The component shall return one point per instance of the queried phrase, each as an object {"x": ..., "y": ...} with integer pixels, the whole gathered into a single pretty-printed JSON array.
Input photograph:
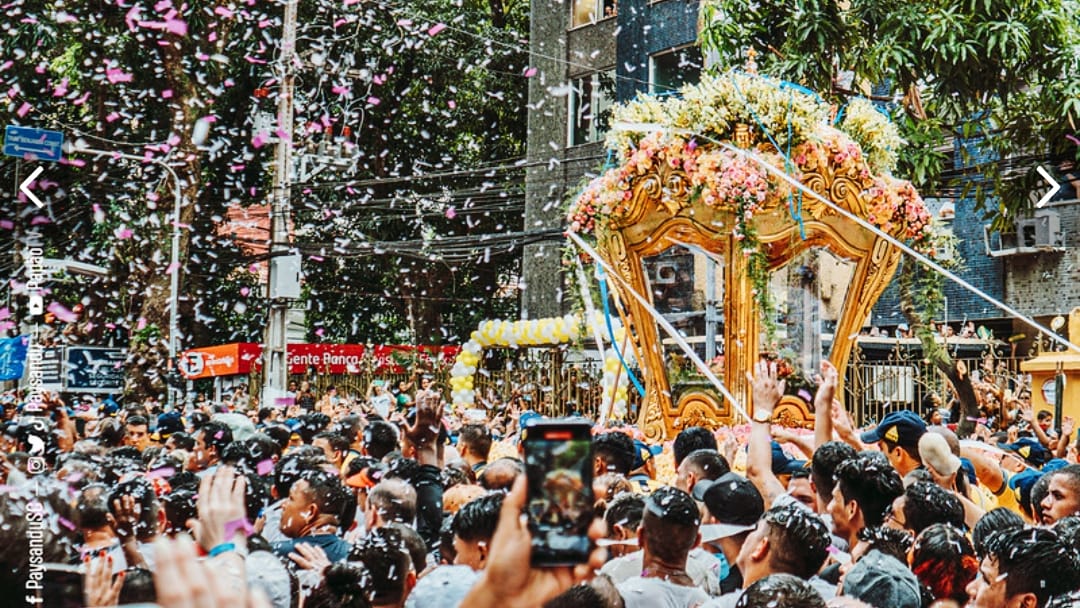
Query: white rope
[{"x": 591, "y": 321}]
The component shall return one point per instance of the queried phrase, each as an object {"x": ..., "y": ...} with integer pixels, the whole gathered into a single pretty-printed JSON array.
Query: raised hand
[
  {"x": 429, "y": 412},
  {"x": 767, "y": 387},
  {"x": 220, "y": 505},
  {"x": 310, "y": 557},
  {"x": 100, "y": 588},
  {"x": 830, "y": 378}
]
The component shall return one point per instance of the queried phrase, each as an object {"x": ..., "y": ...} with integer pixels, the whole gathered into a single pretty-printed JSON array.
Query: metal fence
[{"x": 558, "y": 381}]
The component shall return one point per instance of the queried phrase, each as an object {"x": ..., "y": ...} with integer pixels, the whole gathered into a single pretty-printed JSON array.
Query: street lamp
[{"x": 174, "y": 263}]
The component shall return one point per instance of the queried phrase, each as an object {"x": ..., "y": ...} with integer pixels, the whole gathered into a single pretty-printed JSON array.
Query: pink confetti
[
  {"x": 373, "y": 101},
  {"x": 224, "y": 12},
  {"x": 61, "y": 89},
  {"x": 81, "y": 100},
  {"x": 319, "y": 332},
  {"x": 23, "y": 110},
  {"x": 435, "y": 29},
  {"x": 130, "y": 18},
  {"x": 339, "y": 90},
  {"x": 244, "y": 291},
  {"x": 340, "y": 22},
  {"x": 258, "y": 141},
  {"x": 172, "y": 268},
  {"x": 141, "y": 324},
  {"x": 7, "y": 224},
  {"x": 113, "y": 116},
  {"x": 5, "y": 313},
  {"x": 166, "y": 94},
  {"x": 116, "y": 75},
  {"x": 39, "y": 220},
  {"x": 451, "y": 213},
  {"x": 163, "y": 472},
  {"x": 124, "y": 233},
  {"x": 452, "y": 104},
  {"x": 265, "y": 467},
  {"x": 62, "y": 312},
  {"x": 530, "y": 72}
]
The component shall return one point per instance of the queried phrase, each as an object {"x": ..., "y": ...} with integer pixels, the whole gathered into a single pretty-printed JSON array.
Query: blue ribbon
[{"x": 611, "y": 331}]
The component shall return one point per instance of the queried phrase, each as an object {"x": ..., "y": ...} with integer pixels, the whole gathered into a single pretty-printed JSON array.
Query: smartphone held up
[{"x": 558, "y": 465}]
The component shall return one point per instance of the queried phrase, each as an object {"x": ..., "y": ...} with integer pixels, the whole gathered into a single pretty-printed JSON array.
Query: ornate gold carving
[
  {"x": 660, "y": 212},
  {"x": 792, "y": 412}
]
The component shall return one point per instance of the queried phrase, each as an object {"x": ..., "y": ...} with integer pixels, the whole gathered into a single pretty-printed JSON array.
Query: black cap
[{"x": 733, "y": 501}]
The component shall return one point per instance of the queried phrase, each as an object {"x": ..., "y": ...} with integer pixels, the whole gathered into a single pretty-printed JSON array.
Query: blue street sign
[{"x": 33, "y": 144}]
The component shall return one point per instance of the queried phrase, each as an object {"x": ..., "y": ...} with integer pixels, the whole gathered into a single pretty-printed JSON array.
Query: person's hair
[
  {"x": 92, "y": 508},
  {"x": 616, "y": 450},
  {"x": 944, "y": 561},
  {"x": 393, "y": 500},
  {"x": 477, "y": 438},
  {"x": 799, "y": 540},
  {"x": 344, "y": 585},
  {"x": 138, "y": 587},
  {"x": 500, "y": 474},
  {"x": 216, "y": 435},
  {"x": 256, "y": 495},
  {"x": 1031, "y": 496},
  {"x": 446, "y": 540},
  {"x": 454, "y": 473},
  {"x": 358, "y": 464},
  {"x": 994, "y": 521},
  {"x": 582, "y": 595},
  {"x": 280, "y": 434},
  {"x": 871, "y": 484},
  {"x": 1037, "y": 561},
  {"x": 288, "y": 469},
  {"x": 264, "y": 413},
  {"x": 911, "y": 450},
  {"x": 312, "y": 424},
  {"x": 137, "y": 421},
  {"x": 477, "y": 519},
  {"x": 110, "y": 433},
  {"x": 926, "y": 503},
  {"x": 337, "y": 441},
  {"x": 827, "y": 457},
  {"x": 693, "y": 439},
  {"x": 415, "y": 545},
  {"x": 183, "y": 441},
  {"x": 146, "y": 504},
  {"x": 179, "y": 508},
  {"x": 1044, "y": 415},
  {"x": 380, "y": 438},
  {"x": 889, "y": 541},
  {"x": 384, "y": 554},
  {"x": 1068, "y": 529},
  {"x": 670, "y": 524},
  {"x": 625, "y": 510},
  {"x": 327, "y": 492},
  {"x": 260, "y": 447},
  {"x": 185, "y": 480},
  {"x": 711, "y": 464},
  {"x": 780, "y": 591},
  {"x": 405, "y": 469}
]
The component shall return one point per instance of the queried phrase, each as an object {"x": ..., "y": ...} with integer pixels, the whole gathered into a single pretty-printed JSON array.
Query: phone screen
[{"x": 558, "y": 464}]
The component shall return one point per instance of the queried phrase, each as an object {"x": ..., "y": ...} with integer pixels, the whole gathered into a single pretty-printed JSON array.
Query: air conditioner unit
[
  {"x": 1043, "y": 230},
  {"x": 891, "y": 383}
]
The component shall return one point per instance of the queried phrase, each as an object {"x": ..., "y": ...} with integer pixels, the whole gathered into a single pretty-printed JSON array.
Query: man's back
[{"x": 639, "y": 592}]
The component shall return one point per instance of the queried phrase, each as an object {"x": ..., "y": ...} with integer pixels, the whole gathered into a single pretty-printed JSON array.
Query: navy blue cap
[
  {"x": 903, "y": 427},
  {"x": 1029, "y": 449},
  {"x": 782, "y": 464},
  {"x": 642, "y": 454}
]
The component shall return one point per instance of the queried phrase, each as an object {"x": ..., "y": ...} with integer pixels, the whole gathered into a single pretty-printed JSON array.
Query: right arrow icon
[
  {"x": 25, "y": 187},
  {"x": 1054, "y": 187}
]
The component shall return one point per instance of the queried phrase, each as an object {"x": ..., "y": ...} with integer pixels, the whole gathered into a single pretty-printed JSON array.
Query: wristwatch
[{"x": 762, "y": 417}]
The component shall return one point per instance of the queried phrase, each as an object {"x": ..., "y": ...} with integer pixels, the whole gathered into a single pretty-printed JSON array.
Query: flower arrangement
[
  {"x": 534, "y": 332},
  {"x": 877, "y": 136}
]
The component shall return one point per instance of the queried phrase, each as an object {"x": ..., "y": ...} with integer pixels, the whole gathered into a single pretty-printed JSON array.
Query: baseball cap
[
  {"x": 733, "y": 501},
  {"x": 902, "y": 427},
  {"x": 881, "y": 580},
  {"x": 1029, "y": 449},
  {"x": 642, "y": 454},
  {"x": 782, "y": 464}
]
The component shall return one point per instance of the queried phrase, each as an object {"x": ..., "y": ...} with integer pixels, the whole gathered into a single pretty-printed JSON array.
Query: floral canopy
[{"x": 680, "y": 179}]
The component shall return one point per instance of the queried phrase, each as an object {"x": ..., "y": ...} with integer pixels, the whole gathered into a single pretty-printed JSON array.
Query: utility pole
[{"x": 281, "y": 284}]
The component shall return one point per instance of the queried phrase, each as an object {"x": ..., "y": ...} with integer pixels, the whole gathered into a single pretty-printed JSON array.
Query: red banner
[{"x": 244, "y": 357}]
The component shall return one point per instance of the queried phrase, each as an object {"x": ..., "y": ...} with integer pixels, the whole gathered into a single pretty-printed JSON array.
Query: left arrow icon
[{"x": 25, "y": 187}]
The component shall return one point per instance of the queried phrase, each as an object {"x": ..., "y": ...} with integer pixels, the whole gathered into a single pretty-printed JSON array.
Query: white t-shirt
[
  {"x": 702, "y": 567},
  {"x": 381, "y": 404},
  {"x": 638, "y": 592}
]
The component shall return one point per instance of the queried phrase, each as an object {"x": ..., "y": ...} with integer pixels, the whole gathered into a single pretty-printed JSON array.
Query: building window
[
  {"x": 670, "y": 70},
  {"x": 591, "y": 11},
  {"x": 590, "y": 107}
]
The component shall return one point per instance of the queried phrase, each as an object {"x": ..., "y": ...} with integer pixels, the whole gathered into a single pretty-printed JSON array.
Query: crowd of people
[{"x": 381, "y": 502}]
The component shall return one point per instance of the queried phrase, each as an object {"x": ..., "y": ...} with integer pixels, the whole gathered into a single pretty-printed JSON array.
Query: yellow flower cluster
[{"x": 536, "y": 332}]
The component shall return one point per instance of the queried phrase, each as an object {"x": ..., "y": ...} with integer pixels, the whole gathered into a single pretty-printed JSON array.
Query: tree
[{"x": 1005, "y": 71}]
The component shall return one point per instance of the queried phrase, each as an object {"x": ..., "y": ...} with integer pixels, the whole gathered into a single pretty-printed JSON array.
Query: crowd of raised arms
[{"x": 391, "y": 500}]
